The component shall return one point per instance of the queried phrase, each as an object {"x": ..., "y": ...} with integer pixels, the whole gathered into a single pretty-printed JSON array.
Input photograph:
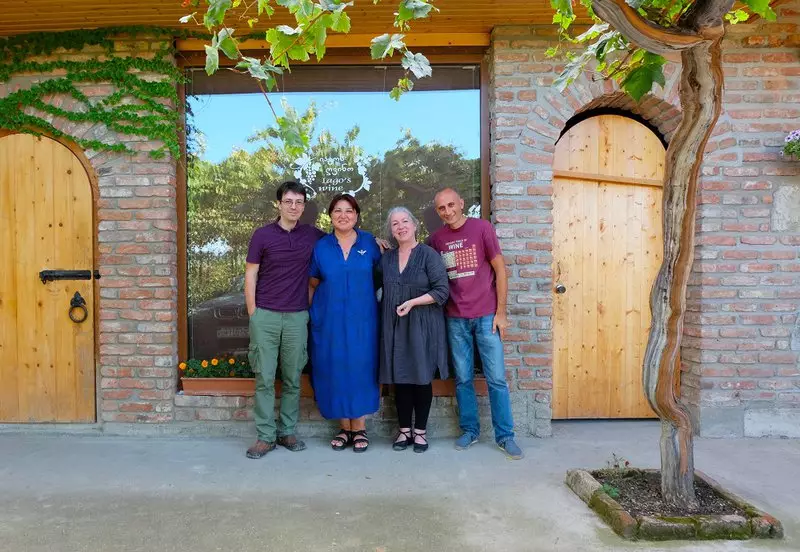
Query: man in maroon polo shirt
[{"x": 276, "y": 293}]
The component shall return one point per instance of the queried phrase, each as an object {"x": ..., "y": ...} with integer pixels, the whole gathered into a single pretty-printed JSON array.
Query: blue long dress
[{"x": 344, "y": 328}]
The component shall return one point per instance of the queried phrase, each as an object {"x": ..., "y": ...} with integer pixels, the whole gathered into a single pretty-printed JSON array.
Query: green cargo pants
[{"x": 273, "y": 334}]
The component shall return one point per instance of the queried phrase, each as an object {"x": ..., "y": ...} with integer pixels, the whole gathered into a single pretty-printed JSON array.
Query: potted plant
[
  {"x": 217, "y": 377},
  {"x": 791, "y": 148}
]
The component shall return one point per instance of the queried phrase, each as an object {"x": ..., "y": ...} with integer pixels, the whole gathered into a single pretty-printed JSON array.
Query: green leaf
[
  {"x": 594, "y": 31},
  {"x": 212, "y": 60},
  {"x": 340, "y": 22},
  {"x": 302, "y": 8},
  {"x": 404, "y": 85},
  {"x": 264, "y": 7},
  {"x": 287, "y": 30},
  {"x": 564, "y": 9},
  {"x": 215, "y": 14},
  {"x": 259, "y": 71},
  {"x": 227, "y": 44},
  {"x": 385, "y": 45},
  {"x": 413, "y": 9},
  {"x": 417, "y": 64},
  {"x": 639, "y": 81},
  {"x": 762, "y": 8},
  {"x": 320, "y": 35},
  {"x": 334, "y": 5}
]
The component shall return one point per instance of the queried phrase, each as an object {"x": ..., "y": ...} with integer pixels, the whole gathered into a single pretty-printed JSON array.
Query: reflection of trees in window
[{"x": 227, "y": 201}]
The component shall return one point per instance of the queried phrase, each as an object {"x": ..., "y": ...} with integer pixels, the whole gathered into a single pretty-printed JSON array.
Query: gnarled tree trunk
[{"x": 698, "y": 37}]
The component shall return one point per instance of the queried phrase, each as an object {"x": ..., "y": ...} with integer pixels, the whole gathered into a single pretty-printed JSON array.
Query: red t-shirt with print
[{"x": 467, "y": 253}]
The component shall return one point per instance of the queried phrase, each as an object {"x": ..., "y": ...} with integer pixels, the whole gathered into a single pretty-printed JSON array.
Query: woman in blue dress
[{"x": 344, "y": 324}]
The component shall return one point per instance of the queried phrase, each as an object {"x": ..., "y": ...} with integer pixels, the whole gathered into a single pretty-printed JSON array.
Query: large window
[{"x": 385, "y": 153}]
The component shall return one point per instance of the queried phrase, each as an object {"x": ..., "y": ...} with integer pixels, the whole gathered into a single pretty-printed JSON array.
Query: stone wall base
[
  {"x": 738, "y": 421},
  {"x": 228, "y": 413}
]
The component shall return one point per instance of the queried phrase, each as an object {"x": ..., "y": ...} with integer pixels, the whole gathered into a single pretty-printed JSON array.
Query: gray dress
[{"x": 413, "y": 347}]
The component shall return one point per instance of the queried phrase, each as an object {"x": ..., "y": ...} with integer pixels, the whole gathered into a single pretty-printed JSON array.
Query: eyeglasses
[{"x": 289, "y": 203}]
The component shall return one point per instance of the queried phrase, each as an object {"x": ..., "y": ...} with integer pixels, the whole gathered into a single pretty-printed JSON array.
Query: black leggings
[{"x": 415, "y": 399}]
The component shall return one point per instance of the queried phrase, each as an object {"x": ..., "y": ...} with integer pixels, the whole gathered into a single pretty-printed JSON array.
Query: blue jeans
[{"x": 462, "y": 333}]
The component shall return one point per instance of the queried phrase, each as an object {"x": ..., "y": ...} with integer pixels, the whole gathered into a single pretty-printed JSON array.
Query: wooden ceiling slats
[{"x": 466, "y": 16}]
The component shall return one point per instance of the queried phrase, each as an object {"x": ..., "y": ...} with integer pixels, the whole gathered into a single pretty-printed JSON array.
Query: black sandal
[
  {"x": 420, "y": 447},
  {"x": 342, "y": 440},
  {"x": 402, "y": 444},
  {"x": 359, "y": 436}
]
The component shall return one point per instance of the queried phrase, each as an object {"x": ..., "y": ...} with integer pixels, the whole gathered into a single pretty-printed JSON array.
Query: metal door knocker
[{"x": 78, "y": 312}]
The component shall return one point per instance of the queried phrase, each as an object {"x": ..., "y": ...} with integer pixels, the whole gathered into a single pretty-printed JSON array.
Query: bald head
[{"x": 450, "y": 207}]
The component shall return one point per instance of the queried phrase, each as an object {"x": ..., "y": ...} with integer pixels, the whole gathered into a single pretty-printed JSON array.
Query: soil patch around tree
[
  {"x": 640, "y": 495},
  {"x": 630, "y": 501}
]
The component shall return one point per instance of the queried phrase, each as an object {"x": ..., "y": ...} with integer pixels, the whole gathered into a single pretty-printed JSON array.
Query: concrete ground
[{"x": 107, "y": 494}]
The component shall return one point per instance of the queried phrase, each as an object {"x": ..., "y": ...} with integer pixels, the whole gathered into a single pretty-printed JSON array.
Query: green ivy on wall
[{"x": 141, "y": 103}]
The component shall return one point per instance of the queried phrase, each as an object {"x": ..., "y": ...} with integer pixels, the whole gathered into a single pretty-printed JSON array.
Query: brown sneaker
[
  {"x": 292, "y": 443},
  {"x": 260, "y": 449}
]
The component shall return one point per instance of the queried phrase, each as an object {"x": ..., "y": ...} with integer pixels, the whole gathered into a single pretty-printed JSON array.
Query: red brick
[
  {"x": 778, "y": 358},
  {"x": 116, "y": 394},
  {"x": 136, "y": 407},
  {"x": 535, "y": 384}
]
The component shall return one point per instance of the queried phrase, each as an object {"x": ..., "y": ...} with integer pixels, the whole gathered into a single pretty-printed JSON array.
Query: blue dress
[{"x": 344, "y": 328}]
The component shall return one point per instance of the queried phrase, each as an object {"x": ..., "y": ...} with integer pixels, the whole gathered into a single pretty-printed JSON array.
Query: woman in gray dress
[{"x": 413, "y": 340}]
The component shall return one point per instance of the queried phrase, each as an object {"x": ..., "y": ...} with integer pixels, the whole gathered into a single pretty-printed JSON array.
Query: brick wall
[
  {"x": 741, "y": 337},
  {"x": 136, "y": 233},
  {"x": 741, "y": 345}
]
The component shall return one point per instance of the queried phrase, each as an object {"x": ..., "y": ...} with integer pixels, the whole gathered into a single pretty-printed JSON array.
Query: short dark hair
[
  {"x": 291, "y": 186},
  {"x": 344, "y": 197}
]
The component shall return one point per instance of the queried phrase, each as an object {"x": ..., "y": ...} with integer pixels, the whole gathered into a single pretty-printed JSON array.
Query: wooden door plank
[
  {"x": 561, "y": 242},
  {"x": 9, "y": 367},
  {"x": 83, "y": 253},
  {"x": 27, "y": 278},
  {"x": 64, "y": 258},
  {"x": 46, "y": 294}
]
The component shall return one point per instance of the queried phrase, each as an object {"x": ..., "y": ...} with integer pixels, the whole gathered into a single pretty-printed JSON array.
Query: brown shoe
[
  {"x": 292, "y": 443},
  {"x": 260, "y": 449}
]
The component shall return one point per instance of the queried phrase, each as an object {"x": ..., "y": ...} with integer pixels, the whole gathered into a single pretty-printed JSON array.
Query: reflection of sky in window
[{"x": 449, "y": 117}]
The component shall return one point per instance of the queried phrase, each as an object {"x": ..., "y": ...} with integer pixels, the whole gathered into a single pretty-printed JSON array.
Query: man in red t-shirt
[{"x": 476, "y": 313}]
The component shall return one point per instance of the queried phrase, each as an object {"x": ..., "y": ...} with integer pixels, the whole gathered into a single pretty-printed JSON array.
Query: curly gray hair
[{"x": 388, "y": 228}]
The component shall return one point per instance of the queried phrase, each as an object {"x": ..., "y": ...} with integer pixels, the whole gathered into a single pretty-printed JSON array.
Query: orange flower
[
  {"x": 182, "y": 366},
  {"x": 204, "y": 364},
  {"x": 231, "y": 361},
  {"x": 214, "y": 361}
]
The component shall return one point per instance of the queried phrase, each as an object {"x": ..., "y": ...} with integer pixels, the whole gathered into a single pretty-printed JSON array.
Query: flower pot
[
  {"x": 236, "y": 387},
  {"x": 219, "y": 387}
]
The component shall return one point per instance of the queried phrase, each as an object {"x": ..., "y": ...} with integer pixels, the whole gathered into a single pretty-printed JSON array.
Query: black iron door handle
[
  {"x": 52, "y": 275},
  {"x": 78, "y": 312},
  {"x": 561, "y": 288}
]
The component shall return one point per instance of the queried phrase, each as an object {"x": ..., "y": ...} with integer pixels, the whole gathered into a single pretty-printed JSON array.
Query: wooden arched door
[
  {"x": 607, "y": 249},
  {"x": 47, "y": 365}
]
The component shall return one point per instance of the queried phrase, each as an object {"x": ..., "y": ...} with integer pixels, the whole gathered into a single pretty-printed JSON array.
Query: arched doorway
[
  {"x": 47, "y": 371},
  {"x": 607, "y": 249}
]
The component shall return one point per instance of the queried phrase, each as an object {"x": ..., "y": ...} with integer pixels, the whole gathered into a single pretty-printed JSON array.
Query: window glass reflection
[{"x": 385, "y": 153}]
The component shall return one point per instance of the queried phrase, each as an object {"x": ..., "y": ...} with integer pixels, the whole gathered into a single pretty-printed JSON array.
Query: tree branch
[
  {"x": 705, "y": 14},
  {"x": 643, "y": 33}
]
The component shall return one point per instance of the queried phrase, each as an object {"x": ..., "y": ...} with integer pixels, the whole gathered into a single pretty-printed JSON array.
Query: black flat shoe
[
  {"x": 402, "y": 444},
  {"x": 420, "y": 447},
  {"x": 342, "y": 440},
  {"x": 357, "y": 437}
]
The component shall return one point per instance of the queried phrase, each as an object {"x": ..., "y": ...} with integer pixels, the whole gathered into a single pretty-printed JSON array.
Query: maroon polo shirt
[{"x": 283, "y": 258}]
